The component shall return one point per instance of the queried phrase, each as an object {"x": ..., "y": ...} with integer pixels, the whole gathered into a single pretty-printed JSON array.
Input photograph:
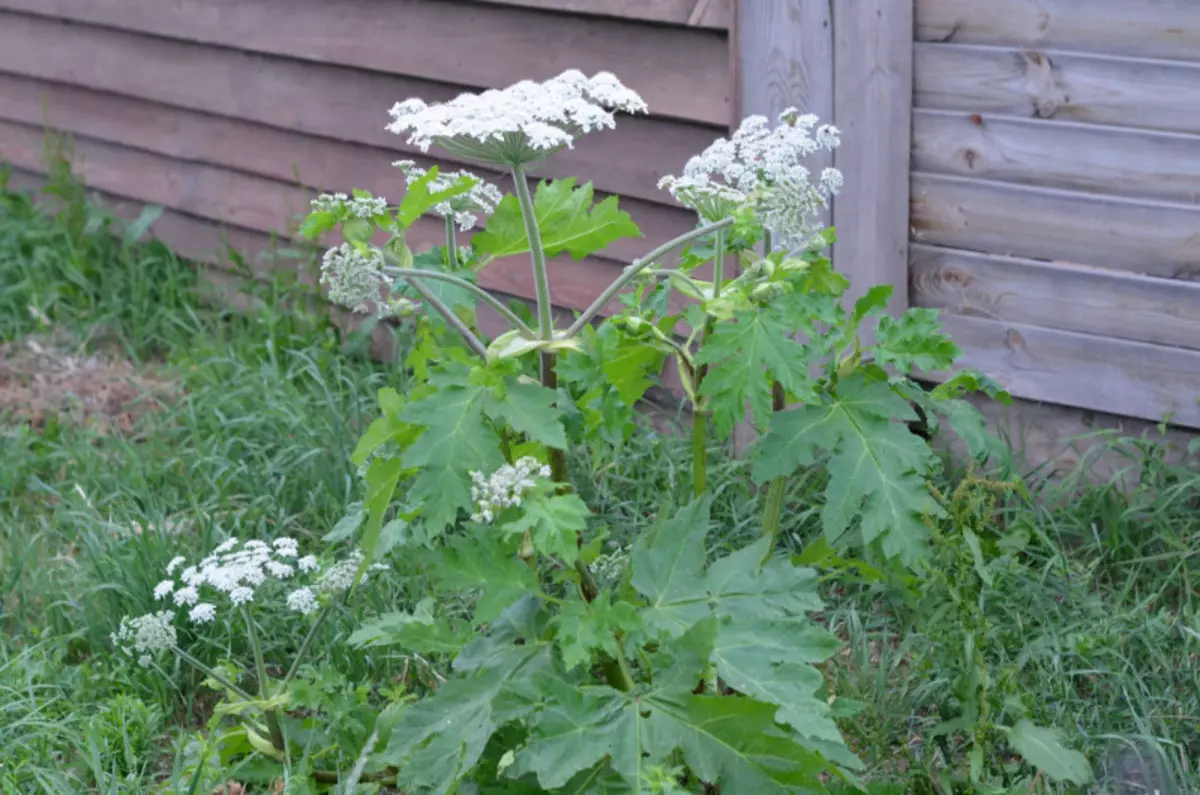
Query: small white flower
[
  {"x": 191, "y": 576},
  {"x": 307, "y": 564},
  {"x": 146, "y": 635},
  {"x": 483, "y": 197},
  {"x": 302, "y": 600},
  {"x": 187, "y": 596},
  {"x": 175, "y": 563},
  {"x": 340, "y": 575},
  {"x": 163, "y": 589},
  {"x": 354, "y": 279},
  {"x": 241, "y": 595},
  {"x": 145, "y": 660},
  {"x": 225, "y": 546},
  {"x": 279, "y": 570},
  {"x": 286, "y": 547},
  {"x": 505, "y": 487},
  {"x": 203, "y": 613},
  {"x": 520, "y": 124}
]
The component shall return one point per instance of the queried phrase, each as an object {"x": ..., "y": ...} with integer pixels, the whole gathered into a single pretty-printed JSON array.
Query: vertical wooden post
[
  {"x": 873, "y": 77},
  {"x": 850, "y": 63}
]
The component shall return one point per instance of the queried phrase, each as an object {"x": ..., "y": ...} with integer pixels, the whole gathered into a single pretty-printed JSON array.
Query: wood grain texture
[
  {"x": 873, "y": 109},
  {"x": 1069, "y": 155},
  {"x": 1150, "y": 28},
  {"x": 1142, "y": 236},
  {"x": 1057, "y": 295},
  {"x": 257, "y": 204},
  {"x": 282, "y": 155},
  {"x": 679, "y": 71},
  {"x": 1100, "y": 373},
  {"x": 716, "y": 14},
  {"x": 785, "y": 59},
  {"x": 344, "y": 104},
  {"x": 1049, "y": 84}
]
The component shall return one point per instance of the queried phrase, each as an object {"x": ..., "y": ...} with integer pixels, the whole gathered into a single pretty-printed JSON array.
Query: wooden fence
[{"x": 1031, "y": 167}]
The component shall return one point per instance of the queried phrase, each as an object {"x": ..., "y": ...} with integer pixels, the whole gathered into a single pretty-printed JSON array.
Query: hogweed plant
[{"x": 659, "y": 669}]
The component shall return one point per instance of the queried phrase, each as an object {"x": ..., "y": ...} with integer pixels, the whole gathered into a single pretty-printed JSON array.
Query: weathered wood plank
[
  {"x": 262, "y": 205},
  {"x": 1150, "y": 28},
  {"x": 1161, "y": 95},
  {"x": 1057, "y": 295},
  {"x": 716, "y": 14},
  {"x": 1151, "y": 237},
  {"x": 282, "y": 155},
  {"x": 1133, "y": 379},
  {"x": 344, "y": 104},
  {"x": 679, "y": 71},
  {"x": 1069, "y": 155},
  {"x": 873, "y": 109},
  {"x": 785, "y": 59}
]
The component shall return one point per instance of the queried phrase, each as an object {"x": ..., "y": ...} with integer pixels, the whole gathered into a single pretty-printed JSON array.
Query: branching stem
[
  {"x": 264, "y": 684},
  {"x": 536, "y": 254},
  {"x": 412, "y": 274},
  {"x": 453, "y": 320}
]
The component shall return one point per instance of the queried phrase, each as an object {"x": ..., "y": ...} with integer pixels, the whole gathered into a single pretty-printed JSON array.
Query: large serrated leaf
[{"x": 1044, "y": 749}]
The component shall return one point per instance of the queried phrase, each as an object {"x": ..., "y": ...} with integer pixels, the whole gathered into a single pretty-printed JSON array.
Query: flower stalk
[
  {"x": 537, "y": 255},
  {"x": 411, "y": 274},
  {"x": 264, "y": 686},
  {"x": 451, "y": 244},
  {"x": 453, "y": 320},
  {"x": 699, "y": 415}
]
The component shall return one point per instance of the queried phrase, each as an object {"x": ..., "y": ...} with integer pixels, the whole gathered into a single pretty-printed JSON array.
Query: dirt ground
[{"x": 51, "y": 378}]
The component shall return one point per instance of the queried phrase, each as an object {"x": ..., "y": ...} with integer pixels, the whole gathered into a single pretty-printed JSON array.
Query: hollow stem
[
  {"x": 412, "y": 274},
  {"x": 452, "y": 319},
  {"x": 636, "y": 267},
  {"x": 264, "y": 686},
  {"x": 204, "y": 669},
  {"x": 773, "y": 506},
  {"x": 700, "y": 416},
  {"x": 536, "y": 255},
  {"x": 451, "y": 244},
  {"x": 305, "y": 644},
  {"x": 558, "y": 458}
]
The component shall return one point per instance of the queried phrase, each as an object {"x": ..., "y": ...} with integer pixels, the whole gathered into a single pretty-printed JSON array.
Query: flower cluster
[
  {"x": 505, "y": 487},
  {"x": 763, "y": 168},
  {"x": 520, "y": 124},
  {"x": 146, "y": 635},
  {"x": 366, "y": 207},
  {"x": 354, "y": 279},
  {"x": 483, "y": 197}
]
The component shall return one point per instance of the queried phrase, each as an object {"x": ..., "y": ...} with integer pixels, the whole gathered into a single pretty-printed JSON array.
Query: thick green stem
[
  {"x": 558, "y": 458},
  {"x": 636, "y": 267},
  {"x": 453, "y": 320},
  {"x": 699, "y": 453},
  {"x": 264, "y": 684},
  {"x": 536, "y": 254},
  {"x": 204, "y": 669},
  {"x": 451, "y": 244},
  {"x": 773, "y": 507},
  {"x": 411, "y": 274},
  {"x": 719, "y": 263}
]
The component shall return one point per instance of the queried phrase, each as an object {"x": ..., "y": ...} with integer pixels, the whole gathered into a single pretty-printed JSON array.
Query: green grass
[{"x": 1094, "y": 627}]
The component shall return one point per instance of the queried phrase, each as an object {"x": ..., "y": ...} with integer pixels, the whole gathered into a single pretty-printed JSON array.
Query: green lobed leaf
[
  {"x": 482, "y": 563},
  {"x": 419, "y": 199},
  {"x": 419, "y": 631},
  {"x": 382, "y": 477},
  {"x": 566, "y": 218},
  {"x": 530, "y": 409},
  {"x": 914, "y": 341},
  {"x": 667, "y": 562},
  {"x": 746, "y": 355},
  {"x": 456, "y": 441},
  {"x": 877, "y": 467},
  {"x": 1044, "y": 749},
  {"x": 554, "y": 522},
  {"x": 582, "y": 628}
]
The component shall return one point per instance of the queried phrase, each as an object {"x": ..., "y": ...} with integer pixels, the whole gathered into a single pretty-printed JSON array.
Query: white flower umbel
[
  {"x": 146, "y": 635},
  {"x": 203, "y": 613},
  {"x": 483, "y": 197},
  {"x": 763, "y": 167},
  {"x": 505, "y": 487},
  {"x": 355, "y": 279},
  {"x": 368, "y": 207},
  {"x": 303, "y": 601},
  {"x": 520, "y": 124}
]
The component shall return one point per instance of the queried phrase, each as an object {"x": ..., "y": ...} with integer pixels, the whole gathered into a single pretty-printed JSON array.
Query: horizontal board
[
  {"x": 1160, "y": 95},
  {"x": 717, "y": 14},
  {"x": 680, "y": 72},
  {"x": 282, "y": 155},
  {"x": 344, "y": 104},
  {"x": 1057, "y": 295},
  {"x": 262, "y": 205},
  {"x": 1069, "y": 155},
  {"x": 1150, "y": 28},
  {"x": 1142, "y": 236},
  {"x": 1099, "y": 373}
]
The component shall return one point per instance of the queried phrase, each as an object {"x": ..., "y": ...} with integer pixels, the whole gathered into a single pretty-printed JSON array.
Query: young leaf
[
  {"x": 554, "y": 522},
  {"x": 746, "y": 356},
  {"x": 419, "y": 199},
  {"x": 1043, "y": 749},
  {"x": 530, "y": 409},
  {"x": 456, "y": 440},
  {"x": 914, "y": 340},
  {"x": 566, "y": 219},
  {"x": 582, "y": 629},
  {"x": 877, "y": 468}
]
